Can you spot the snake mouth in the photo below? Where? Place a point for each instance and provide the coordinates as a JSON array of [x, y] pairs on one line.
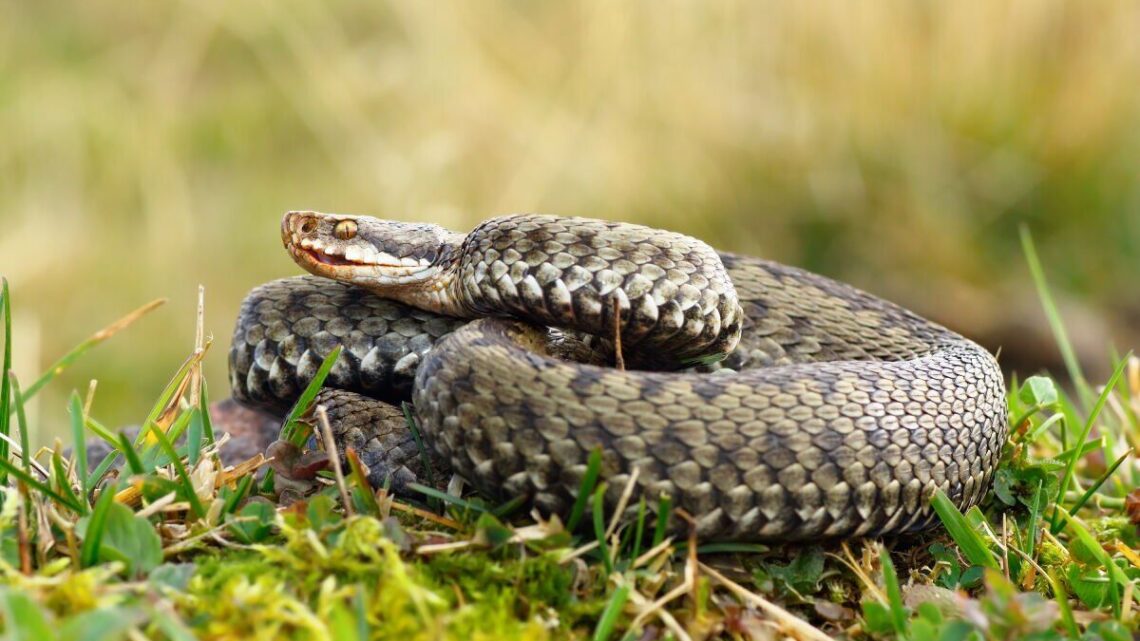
[[334, 260]]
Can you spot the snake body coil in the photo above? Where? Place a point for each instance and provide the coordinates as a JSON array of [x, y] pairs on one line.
[[833, 413]]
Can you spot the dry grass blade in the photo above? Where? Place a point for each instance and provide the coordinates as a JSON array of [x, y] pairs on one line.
[[792, 625], [619, 509], [95, 339], [199, 347], [647, 609]]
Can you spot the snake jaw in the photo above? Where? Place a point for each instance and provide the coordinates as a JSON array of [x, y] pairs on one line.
[[404, 261]]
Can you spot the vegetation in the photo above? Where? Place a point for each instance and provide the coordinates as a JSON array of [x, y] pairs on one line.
[[172, 546]]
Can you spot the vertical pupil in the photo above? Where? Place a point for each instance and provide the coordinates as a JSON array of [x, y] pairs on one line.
[[345, 230]]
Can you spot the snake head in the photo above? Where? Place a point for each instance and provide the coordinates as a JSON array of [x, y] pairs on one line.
[[385, 256]]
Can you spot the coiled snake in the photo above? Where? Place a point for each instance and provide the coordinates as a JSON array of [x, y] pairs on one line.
[[831, 413]]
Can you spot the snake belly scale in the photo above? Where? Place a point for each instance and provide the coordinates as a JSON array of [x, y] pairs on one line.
[[781, 405]]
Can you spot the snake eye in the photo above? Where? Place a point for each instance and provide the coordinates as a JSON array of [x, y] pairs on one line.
[[345, 229], [308, 225]]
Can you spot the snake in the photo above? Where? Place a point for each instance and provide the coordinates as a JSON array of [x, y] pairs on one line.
[[769, 403]]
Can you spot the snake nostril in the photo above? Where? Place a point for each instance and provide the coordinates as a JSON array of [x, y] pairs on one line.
[[308, 225]]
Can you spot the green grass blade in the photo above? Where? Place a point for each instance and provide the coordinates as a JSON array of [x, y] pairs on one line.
[[446, 498], [131, 454], [1099, 482], [664, 507], [96, 338], [894, 594], [973, 547], [1034, 518], [310, 393], [599, 516], [207, 422], [167, 395], [93, 538], [1085, 430], [34, 483], [179, 469], [1060, 334], [608, 621], [100, 430], [21, 424], [156, 456], [6, 405], [639, 532], [1077, 453], [414, 428], [289, 430], [1119, 579], [79, 443], [194, 437], [508, 508], [59, 471], [586, 489], [1062, 599], [361, 490], [730, 547], [239, 493]]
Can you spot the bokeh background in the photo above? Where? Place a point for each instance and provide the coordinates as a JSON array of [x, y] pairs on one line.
[[149, 147]]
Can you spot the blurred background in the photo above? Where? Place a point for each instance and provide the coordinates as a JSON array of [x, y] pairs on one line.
[[147, 148]]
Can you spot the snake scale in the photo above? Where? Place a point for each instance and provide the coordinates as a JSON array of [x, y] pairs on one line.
[[770, 403]]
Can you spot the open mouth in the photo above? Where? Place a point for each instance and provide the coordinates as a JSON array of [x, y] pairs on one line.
[[329, 259]]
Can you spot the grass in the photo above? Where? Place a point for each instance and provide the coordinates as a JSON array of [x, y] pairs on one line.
[[175, 547]]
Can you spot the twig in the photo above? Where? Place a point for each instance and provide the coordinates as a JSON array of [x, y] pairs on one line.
[[789, 621], [18, 451], [652, 552], [855, 568], [90, 397], [689, 584], [334, 457], [199, 347], [573, 554], [645, 608], [619, 360], [626, 493], [424, 514]]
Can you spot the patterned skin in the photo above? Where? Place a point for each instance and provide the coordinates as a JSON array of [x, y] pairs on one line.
[[835, 413]]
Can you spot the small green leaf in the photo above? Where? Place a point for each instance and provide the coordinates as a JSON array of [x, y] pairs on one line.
[[800, 576], [175, 576], [132, 538], [114, 533], [1090, 586], [321, 513], [103, 624], [972, 577], [490, 531], [878, 618], [23, 618], [1038, 390], [254, 522]]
